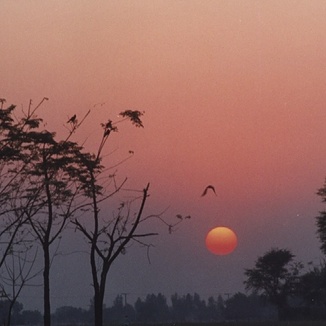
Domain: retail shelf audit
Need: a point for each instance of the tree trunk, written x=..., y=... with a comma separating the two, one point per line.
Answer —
x=98, y=310
x=98, y=303
x=10, y=312
x=99, y=290
x=46, y=280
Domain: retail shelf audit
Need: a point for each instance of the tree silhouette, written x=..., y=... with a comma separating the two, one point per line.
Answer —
x=321, y=220
x=312, y=289
x=188, y=307
x=12, y=186
x=120, y=312
x=70, y=315
x=275, y=276
x=215, y=308
x=43, y=172
x=153, y=309
x=45, y=182
x=110, y=236
x=17, y=272
x=242, y=307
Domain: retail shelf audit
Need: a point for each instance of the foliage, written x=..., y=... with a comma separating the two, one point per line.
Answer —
x=275, y=276
x=121, y=312
x=321, y=220
x=44, y=186
x=46, y=183
x=190, y=307
x=110, y=236
x=242, y=307
x=154, y=308
x=215, y=308
x=134, y=116
x=107, y=236
x=71, y=315
x=19, y=198
x=312, y=290
x=238, y=309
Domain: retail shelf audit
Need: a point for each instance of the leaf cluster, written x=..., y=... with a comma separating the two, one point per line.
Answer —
x=274, y=275
x=134, y=116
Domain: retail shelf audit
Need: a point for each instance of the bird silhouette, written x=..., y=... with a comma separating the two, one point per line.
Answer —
x=72, y=119
x=206, y=189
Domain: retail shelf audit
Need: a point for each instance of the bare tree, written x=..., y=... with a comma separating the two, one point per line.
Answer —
x=18, y=272
x=109, y=236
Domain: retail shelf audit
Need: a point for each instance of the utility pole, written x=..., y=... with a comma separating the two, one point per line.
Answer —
x=125, y=296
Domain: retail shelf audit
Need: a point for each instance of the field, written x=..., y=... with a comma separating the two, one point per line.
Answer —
x=243, y=323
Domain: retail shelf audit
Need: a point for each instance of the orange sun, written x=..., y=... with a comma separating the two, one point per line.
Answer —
x=221, y=241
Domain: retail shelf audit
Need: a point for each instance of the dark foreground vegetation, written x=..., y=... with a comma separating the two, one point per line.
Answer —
x=238, y=309
x=48, y=185
x=243, y=323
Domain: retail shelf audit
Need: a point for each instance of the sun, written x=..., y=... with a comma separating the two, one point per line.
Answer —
x=221, y=241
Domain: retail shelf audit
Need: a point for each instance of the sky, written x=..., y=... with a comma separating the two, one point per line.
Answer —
x=234, y=96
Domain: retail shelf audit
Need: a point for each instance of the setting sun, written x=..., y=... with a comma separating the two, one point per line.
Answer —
x=221, y=241
x=227, y=162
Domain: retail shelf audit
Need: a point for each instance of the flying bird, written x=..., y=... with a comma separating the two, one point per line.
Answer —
x=206, y=189
x=72, y=119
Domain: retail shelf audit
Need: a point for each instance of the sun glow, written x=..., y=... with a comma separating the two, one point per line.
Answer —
x=221, y=241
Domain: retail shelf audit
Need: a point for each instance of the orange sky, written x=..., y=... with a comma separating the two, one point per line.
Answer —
x=234, y=95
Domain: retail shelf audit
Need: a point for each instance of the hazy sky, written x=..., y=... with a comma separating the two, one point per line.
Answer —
x=234, y=95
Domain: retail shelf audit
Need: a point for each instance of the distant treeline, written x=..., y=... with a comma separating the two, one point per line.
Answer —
x=156, y=309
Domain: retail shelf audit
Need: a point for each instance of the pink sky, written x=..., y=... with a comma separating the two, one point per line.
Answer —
x=234, y=95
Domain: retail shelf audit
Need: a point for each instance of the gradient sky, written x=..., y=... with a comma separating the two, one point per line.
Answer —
x=234, y=95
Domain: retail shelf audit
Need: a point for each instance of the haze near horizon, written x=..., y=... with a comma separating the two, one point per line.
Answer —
x=234, y=96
